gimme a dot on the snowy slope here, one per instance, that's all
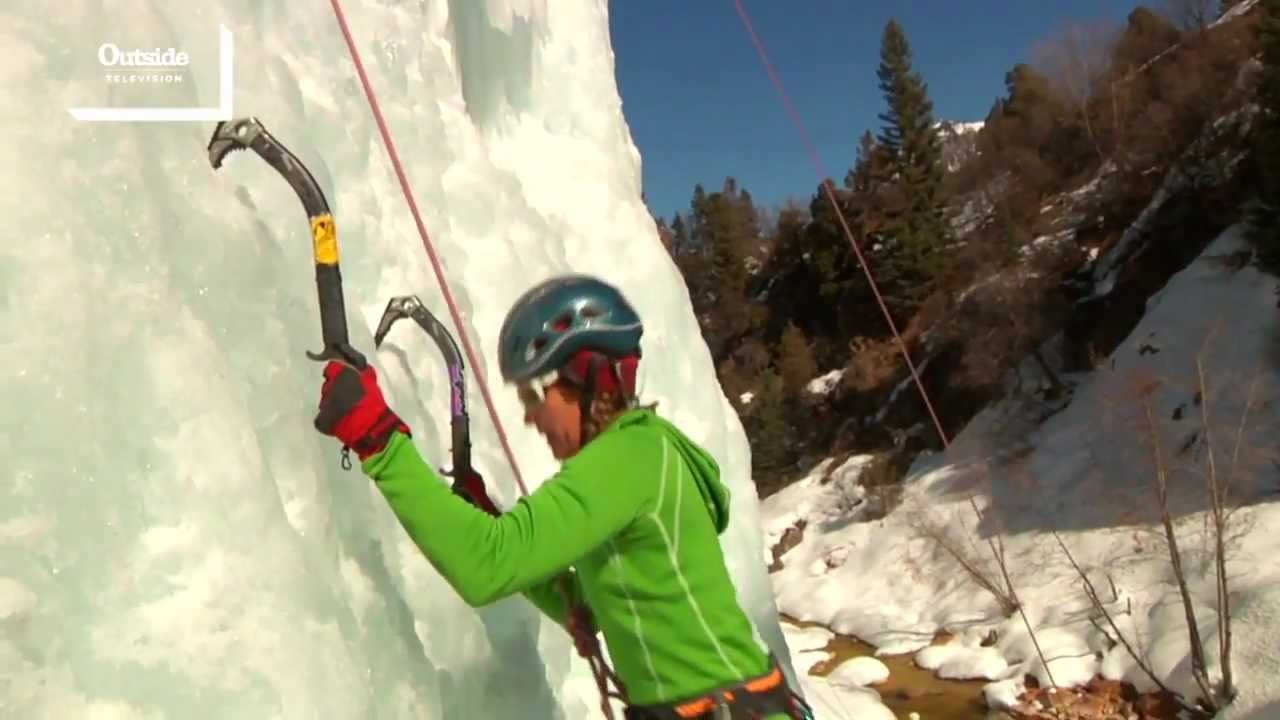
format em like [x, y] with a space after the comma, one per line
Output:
[959, 142]
[1087, 474]
[175, 537]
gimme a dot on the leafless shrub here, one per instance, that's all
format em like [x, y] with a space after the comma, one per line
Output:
[961, 548]
[1076, 60]
[1218, 473]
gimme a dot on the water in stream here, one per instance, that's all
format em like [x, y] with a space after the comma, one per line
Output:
[909, 689]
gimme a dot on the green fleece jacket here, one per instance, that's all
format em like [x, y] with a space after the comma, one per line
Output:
[636, 513]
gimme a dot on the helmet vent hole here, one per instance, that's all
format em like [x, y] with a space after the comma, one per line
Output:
[590, 311]
[562, 322]
[539, 343]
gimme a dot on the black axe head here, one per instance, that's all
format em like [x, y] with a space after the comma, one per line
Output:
[232, 135]
[397, 308]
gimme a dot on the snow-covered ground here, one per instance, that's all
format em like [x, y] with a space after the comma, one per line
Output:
[1086, 473]
[957, 129]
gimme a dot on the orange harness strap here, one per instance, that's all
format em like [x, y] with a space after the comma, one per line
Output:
[752, 699]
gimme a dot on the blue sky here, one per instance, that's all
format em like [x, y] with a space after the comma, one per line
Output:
[700, 105]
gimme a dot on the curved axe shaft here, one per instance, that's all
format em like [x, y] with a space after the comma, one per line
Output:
[248, 133]
[409, 306]
[467, 483]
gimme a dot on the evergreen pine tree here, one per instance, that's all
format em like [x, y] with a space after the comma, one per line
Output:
[770, 418]
[1264, 211]
[736, 232]
[698, 219]
[692, 250]
[723, 227]
[859, 178]
[912, 147]
[876, 202]
[679, 234]
[827, 247]
[795, 360]
[909, 134]
[787, 241]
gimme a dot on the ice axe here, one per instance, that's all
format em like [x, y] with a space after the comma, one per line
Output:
[249, 133]
[465, 480]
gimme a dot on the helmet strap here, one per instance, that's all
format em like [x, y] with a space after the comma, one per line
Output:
[627, 396]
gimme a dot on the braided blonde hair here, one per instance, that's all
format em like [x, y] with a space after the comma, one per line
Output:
[605, 408]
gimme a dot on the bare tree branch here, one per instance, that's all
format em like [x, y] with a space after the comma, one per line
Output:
[1219, 490]
[1198, 667]
[1075, 61]
[1101, 609]
[969, 563]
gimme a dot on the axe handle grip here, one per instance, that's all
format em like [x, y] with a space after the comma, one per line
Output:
[333, 319]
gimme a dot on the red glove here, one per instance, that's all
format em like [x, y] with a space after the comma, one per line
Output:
[353, 410]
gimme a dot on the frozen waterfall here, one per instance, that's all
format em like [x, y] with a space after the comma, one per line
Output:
[176, 540]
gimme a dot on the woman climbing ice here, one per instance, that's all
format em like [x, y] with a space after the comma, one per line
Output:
[632, 516]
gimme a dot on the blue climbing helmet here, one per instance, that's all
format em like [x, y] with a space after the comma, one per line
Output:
[575, 327]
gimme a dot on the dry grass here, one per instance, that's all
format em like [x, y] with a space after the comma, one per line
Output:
[961, 548]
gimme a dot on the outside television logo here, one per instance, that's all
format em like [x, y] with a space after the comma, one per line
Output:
[159, 67]
[149, 66]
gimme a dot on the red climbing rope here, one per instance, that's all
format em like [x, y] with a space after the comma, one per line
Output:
[583, 634]
[826, 186]
[426, 244]
[996, 551]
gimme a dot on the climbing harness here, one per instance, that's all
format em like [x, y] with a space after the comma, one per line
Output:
[753, 699]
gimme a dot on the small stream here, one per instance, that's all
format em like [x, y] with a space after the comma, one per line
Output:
[909, 689]
[913, 692]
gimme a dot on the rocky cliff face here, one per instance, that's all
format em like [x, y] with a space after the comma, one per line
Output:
[1127, 255]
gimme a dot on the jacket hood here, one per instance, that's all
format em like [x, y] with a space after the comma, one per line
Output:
[703, 467]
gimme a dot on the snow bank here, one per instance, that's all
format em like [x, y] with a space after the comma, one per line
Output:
[859, 672]
[837, 697]
[174, 534]
[958, 662]
[1086, 474]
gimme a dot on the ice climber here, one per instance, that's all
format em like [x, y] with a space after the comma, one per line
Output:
[632, 515]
